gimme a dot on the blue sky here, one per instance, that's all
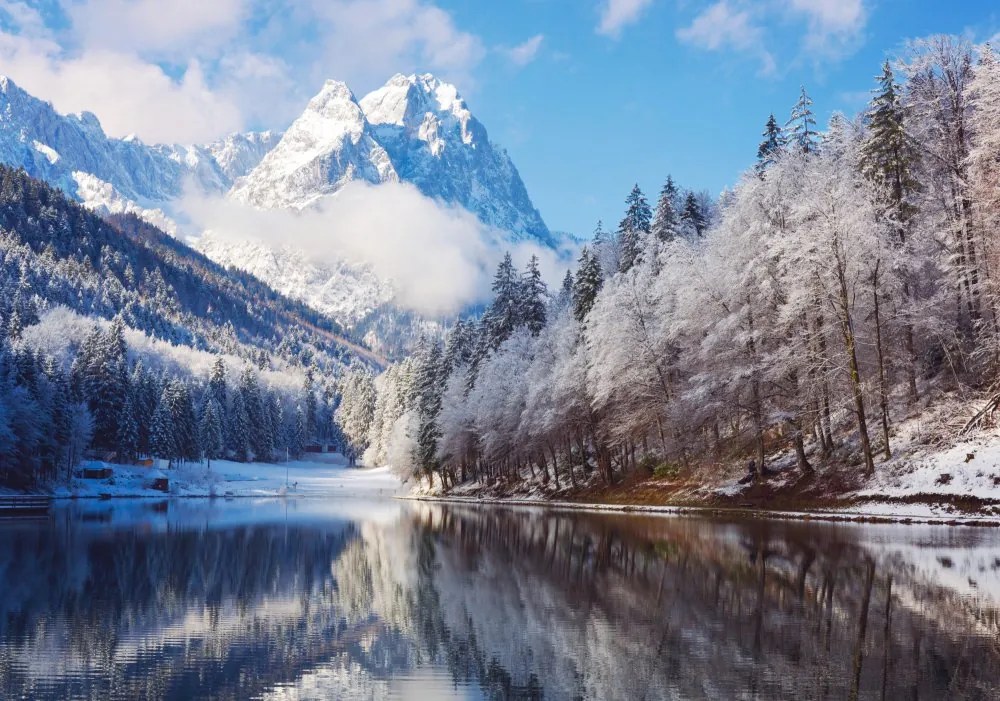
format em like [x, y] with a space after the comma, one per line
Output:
[588, 96]
[594, 113]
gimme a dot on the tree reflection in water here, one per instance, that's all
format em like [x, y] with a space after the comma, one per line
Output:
[229, 603]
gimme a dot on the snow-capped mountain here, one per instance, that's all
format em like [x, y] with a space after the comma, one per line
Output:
[73, 153]
[238, 154]
[344, 292]
[436, 143]
[329, 145]
[414, 129]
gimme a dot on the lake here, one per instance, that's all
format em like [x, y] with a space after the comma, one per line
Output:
[315, 598]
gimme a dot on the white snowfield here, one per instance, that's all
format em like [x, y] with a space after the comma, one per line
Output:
[315, 476]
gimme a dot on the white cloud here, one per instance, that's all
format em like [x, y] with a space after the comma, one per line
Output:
[193, 70]
[833, 25]
[723, 26]
[439, 258]
[525, 52]
[153, 27]
[832, 15]
[26, 18]
[616, 14]
[364, 41]
[127, 94]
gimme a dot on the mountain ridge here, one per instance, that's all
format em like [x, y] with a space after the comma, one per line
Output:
[414, 129]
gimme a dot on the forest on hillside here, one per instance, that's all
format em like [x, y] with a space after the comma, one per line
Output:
[119, 340]
[849, 280]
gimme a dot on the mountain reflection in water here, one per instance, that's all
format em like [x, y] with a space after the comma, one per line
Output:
[318, 599]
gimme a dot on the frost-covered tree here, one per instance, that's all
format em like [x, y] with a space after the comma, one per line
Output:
[297, 438]
[801, 125]
[772, 145]
[427, 388]
[589, 280]
[504, 313]
[666, 220]
[128, 430]
[254, 403]
[183, 420]
[162, 442]
[238, 441]
[534, 297]
[843, 271]
[565, 297]
[633, 228]
[217, 383]
[356, 412]
[210, 431]
[889, 157]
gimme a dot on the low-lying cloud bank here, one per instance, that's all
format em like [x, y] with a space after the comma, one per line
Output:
[439, 258]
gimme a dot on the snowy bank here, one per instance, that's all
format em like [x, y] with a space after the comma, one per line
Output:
[951, 483]
[327, 476]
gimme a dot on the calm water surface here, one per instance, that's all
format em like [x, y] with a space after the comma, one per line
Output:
[328, 599]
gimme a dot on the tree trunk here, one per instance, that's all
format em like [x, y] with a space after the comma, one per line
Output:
[880, 354]
[850, 347]
[555, 465]
[755, 400]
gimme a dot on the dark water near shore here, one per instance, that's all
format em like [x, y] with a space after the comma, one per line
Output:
[328, 599]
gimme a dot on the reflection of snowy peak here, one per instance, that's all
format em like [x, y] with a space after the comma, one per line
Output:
[436, 143]
[329, 145]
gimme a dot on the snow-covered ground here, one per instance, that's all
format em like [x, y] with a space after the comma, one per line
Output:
[321, 475]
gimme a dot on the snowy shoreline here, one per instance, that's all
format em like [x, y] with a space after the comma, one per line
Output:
[883, 512]
[321, 476]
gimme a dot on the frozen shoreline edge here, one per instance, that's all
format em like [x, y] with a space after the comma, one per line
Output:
[845, 516]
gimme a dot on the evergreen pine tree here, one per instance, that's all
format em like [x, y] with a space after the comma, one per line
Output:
[239, 429]
[533, 298]
[600, 236]
[428, 402]
[128, 430]
[803, 124]
[309, 396]
[503, 314]
[888, 154]
[260, 423]
[184, 421]
[587, 284]
[210, 428]
[217, 382]
[60, 405]
[693, 217]
[275, 421]
[162, 443]
[633, 228]
[459, 347]
[772, 145]
[297, 441]
[664, 226]
[105, 380]
[565, 298]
